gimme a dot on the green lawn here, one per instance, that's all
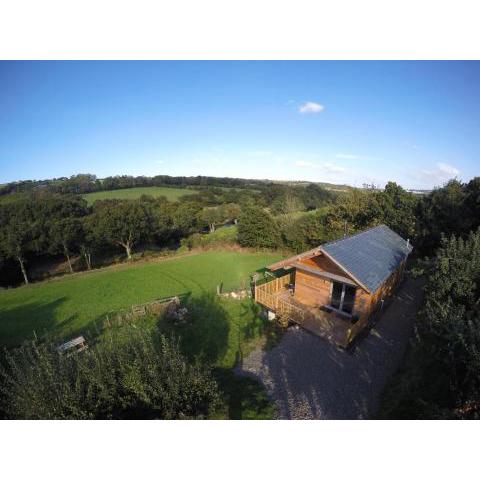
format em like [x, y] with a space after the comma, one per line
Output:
[172, 194]
[220, 330]
[70, 305]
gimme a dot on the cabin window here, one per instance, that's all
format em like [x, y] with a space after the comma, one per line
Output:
[343, 297]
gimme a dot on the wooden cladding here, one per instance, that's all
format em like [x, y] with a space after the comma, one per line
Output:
[311, 290]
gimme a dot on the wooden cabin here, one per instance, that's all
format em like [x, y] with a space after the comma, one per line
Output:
[334, 289]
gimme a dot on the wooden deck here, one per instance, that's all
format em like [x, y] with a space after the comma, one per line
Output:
[276, 296]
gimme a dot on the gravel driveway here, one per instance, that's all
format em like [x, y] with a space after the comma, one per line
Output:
[309, 378]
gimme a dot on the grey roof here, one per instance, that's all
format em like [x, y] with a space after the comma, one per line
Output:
[370, 256]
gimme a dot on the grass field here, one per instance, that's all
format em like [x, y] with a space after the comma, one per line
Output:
[70, 305]
[172, 194]
[220, 330]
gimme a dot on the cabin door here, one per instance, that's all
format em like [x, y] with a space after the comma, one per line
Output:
[343, 297]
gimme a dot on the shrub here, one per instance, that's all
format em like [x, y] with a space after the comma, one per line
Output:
[222, 237]
[442, 374]
[132, 373]
[257, 229]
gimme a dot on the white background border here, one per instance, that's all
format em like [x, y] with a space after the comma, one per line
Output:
[212, 29]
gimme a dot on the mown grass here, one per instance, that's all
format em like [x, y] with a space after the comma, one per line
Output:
[72, 304]
[172, 194]
[220, 331]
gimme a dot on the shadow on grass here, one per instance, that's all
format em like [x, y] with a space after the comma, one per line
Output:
[257, 326]
[205, 334]
[35, 319]
[243, 398]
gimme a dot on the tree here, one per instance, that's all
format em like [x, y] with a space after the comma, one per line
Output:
[256, 228]
[231, 212]
[210, 217]
[123, 223]
[65, 235]
[16, 233]
[472, 201]
[397, 209]
[315, 196]
[442, 378]
[184, 218]
[287, 203]
[439, 213]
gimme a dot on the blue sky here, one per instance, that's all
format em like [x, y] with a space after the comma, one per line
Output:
[417, 123]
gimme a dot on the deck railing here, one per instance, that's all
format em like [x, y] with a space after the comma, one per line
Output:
[274, 296]
[267, 294]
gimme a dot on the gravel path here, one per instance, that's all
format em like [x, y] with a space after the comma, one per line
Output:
[309, 378]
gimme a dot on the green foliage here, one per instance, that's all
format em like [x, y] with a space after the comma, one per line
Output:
[450, 210]
[231, 212]
[65, 235]
[184, 218]
[221, 237]
[442, 378]
[362, 209]
[257, 229]
[210, 217]
[287, 203]
[17, 224]
[132, 373]
[123, 222]
[397, 209]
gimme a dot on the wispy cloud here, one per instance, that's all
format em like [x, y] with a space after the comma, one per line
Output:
[261, 153]
[326, 167]
[303, 163]
[447, 170]
[160, 162]
[441, 173]
[347, 156]
[332, 168]
[310, 107]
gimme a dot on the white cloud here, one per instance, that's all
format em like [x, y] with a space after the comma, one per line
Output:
[332, 168]
[448, 170]
[326, 167]
[160, 162]
[347, 156]
[303, 163]
[310, 107]
[436, 176]
[261, 153]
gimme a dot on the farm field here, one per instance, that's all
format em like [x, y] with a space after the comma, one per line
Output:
[172, 194]
[72, 304]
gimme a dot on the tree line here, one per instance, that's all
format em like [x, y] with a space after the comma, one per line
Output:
[278, 216]
[43, 224]
[65, 225]
[451, 209]
[87, 183]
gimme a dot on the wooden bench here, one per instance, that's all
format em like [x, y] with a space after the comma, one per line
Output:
[73, 346]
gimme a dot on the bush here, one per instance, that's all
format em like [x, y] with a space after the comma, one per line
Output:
[132, 373]
[257, 229]
[224, 236]
[442, 375]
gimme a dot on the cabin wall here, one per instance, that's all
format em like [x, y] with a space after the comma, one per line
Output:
[311, 290]
[361, 307]
[323, 263]
[387, 289]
